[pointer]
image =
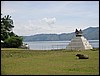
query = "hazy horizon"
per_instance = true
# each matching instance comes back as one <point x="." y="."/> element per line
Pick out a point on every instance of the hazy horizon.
<point x="60" y="33"/>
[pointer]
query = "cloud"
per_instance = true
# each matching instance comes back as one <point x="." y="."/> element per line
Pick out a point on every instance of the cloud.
<point x="49" y="21"/>
<point x="40" y="16"/>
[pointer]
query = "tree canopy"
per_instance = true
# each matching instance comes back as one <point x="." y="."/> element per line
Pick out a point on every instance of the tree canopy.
<point x="7" y="35"/>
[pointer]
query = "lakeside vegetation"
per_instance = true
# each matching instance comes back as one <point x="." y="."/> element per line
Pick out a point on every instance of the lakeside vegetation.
<point x="16" y="61"/>
<point x="8" y="38"/>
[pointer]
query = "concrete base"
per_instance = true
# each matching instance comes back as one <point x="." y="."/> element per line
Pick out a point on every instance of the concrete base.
<point x="79" y="43"/>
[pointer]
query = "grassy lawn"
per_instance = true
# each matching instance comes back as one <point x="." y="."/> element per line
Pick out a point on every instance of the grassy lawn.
<point x="62" y="62"/>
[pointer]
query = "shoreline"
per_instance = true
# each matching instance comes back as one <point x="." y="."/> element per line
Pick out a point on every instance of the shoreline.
<point x="19" y="49"/>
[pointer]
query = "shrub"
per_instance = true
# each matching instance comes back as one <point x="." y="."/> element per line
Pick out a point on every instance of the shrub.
<point x="13" y="42"/>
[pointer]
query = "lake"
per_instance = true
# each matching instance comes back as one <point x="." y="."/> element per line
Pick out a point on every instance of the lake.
<point x="49" y="45"/>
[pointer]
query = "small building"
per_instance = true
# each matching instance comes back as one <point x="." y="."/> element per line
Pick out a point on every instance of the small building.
<point x="79" y="42"/>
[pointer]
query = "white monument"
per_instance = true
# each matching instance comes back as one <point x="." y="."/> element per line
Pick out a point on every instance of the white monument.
<point x="79" y="42"/>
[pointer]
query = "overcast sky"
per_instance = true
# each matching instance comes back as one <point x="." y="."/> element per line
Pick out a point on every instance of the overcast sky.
<point x="36" y="17"/>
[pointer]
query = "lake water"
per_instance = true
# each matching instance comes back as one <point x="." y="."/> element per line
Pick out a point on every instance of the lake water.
<point x="48" y="45"/>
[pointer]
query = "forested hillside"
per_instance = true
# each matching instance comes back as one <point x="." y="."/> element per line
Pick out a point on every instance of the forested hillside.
<point x="91" y="33"/>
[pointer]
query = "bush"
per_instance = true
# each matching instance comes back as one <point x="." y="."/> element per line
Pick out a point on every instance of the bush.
<point x="13" y="42"/>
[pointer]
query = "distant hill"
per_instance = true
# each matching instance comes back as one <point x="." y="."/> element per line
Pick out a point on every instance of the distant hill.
<point x="91" y="33"/>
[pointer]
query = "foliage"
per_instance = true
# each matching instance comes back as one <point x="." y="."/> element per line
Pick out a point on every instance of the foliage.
<point x="10" y="39"/>
<point x="6" y="27"/>
<point x="13" y="42"/>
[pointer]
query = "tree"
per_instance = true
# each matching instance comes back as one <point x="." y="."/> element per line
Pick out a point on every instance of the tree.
<point x="8" y="22"/>
<point x="11" y="40"/>
<point x="6" y="27"/>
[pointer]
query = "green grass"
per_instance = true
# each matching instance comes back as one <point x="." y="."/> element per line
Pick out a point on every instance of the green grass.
<point x="61" y="62"/>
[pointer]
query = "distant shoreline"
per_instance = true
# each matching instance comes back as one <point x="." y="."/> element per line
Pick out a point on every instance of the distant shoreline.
<point x="19" y="49"/>
<point x="54" y="40"/>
